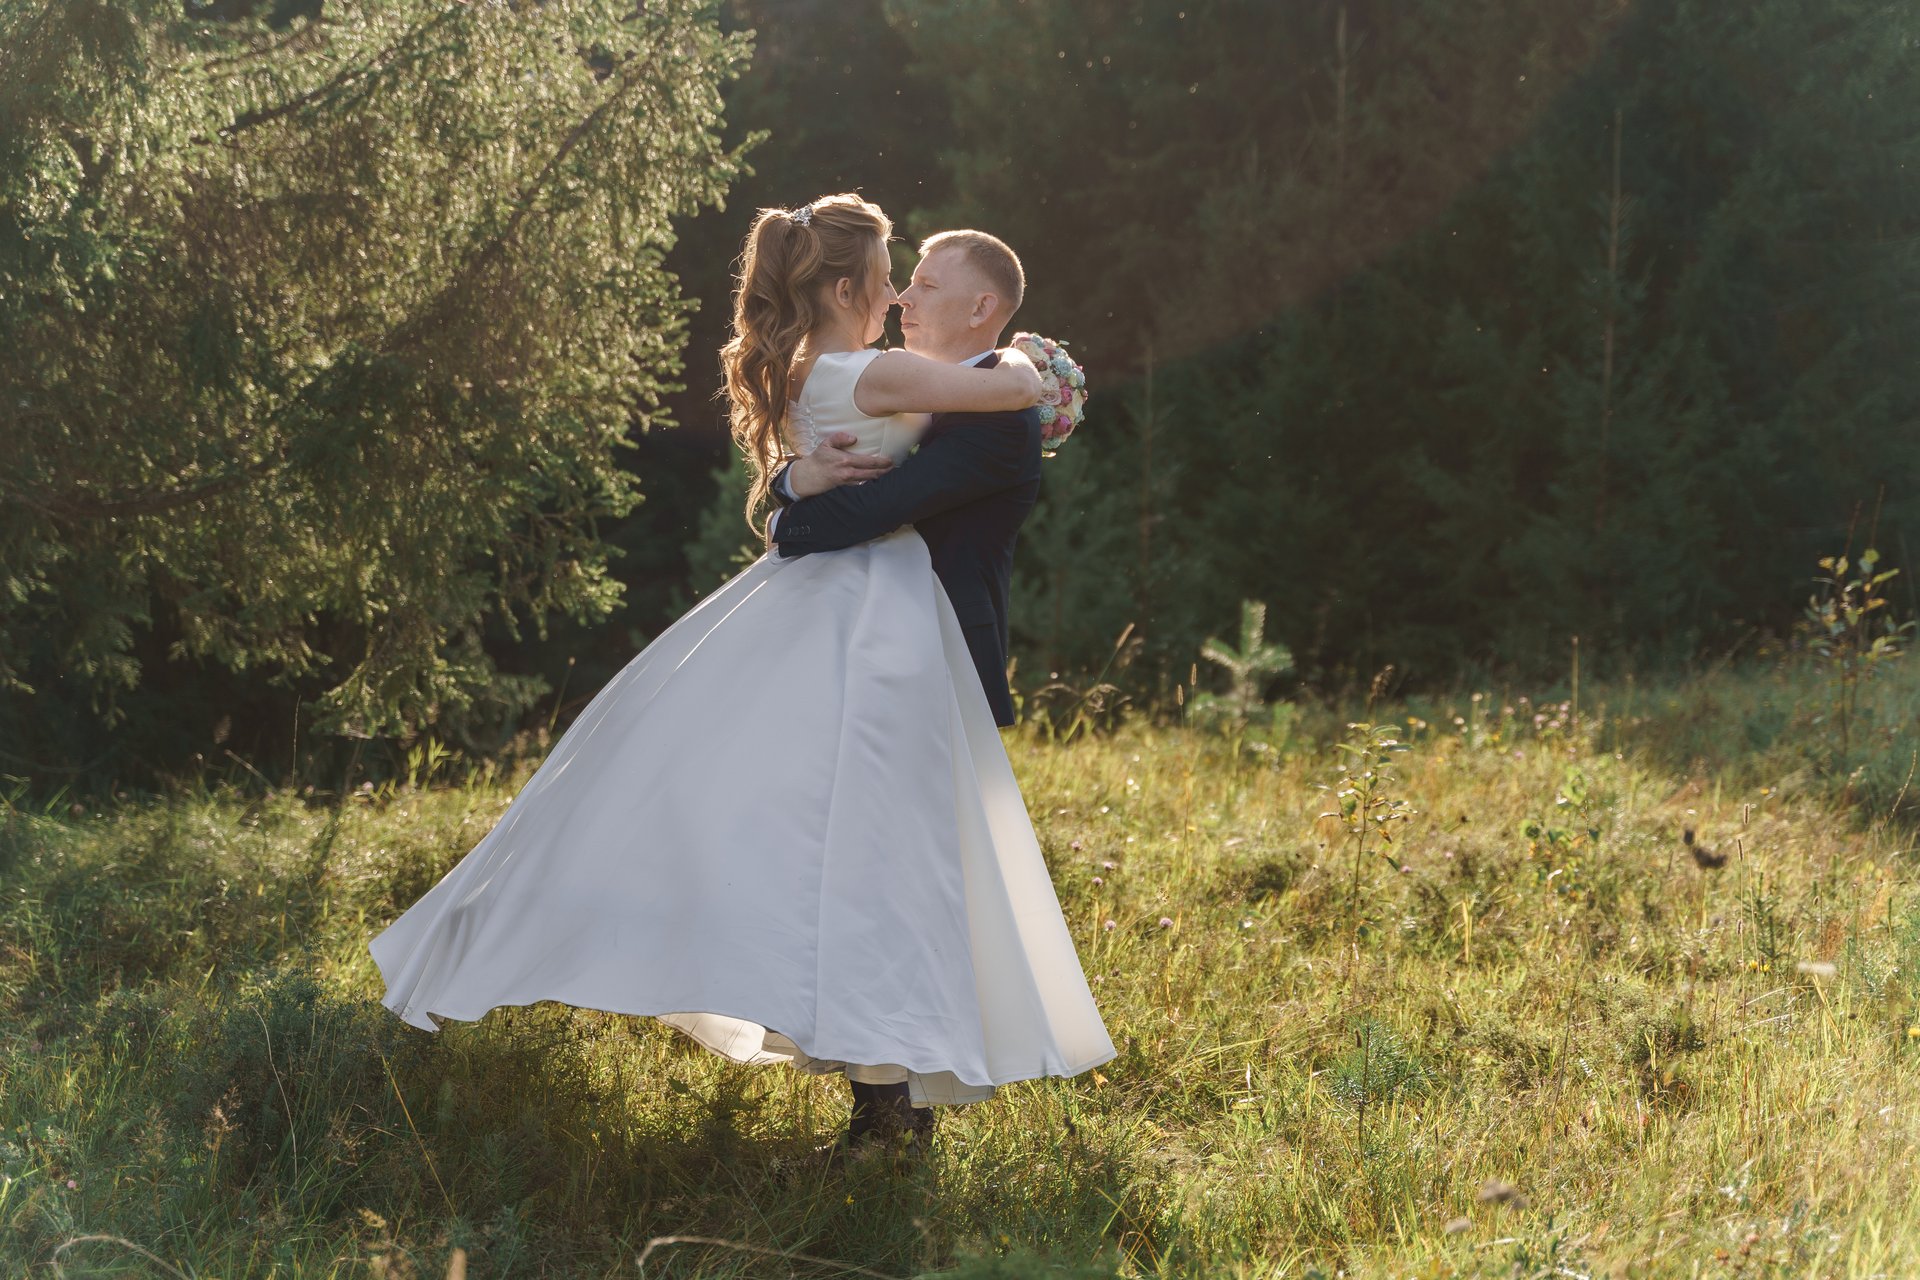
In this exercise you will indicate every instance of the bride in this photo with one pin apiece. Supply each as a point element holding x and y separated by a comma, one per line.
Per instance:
<point>788,827</point>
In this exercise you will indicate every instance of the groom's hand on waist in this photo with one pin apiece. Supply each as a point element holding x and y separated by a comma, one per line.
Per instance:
<point>830,465</point>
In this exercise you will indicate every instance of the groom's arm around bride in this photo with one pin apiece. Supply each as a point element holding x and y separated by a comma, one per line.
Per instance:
<point>972,456</point>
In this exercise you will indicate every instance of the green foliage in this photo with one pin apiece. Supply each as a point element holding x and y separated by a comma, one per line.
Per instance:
<point>1249,669</point>
<point>1171,191</point>
<point>723,547</point>
<point>1378,1069</point>
<point>320,346</point>
<point>1469,329</point>
<point>1367,812</point>
<point>1070,599</point>
<point>1850,629</point>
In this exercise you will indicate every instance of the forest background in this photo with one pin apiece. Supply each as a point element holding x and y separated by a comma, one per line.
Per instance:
<point>1448,330</point>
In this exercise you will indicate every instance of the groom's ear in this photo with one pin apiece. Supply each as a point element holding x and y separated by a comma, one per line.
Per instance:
<point>985,307</point>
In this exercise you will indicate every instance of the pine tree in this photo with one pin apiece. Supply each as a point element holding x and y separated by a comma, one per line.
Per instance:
<point>1441,388</point>
<point>322,338</point>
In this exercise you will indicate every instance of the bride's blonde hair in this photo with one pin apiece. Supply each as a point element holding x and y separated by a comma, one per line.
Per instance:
<point>776,303</point>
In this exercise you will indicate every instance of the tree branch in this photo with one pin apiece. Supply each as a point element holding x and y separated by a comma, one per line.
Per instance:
<point>249,119</point>
<point>87,507</point>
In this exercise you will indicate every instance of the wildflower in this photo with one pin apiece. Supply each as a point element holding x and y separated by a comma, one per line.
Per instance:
<point>1166,922</point>
<point>1099,879</point>
<point>1109,864</point>
<point>1109,926</point>
<point>1075,845</point>
<point>72,1185</point>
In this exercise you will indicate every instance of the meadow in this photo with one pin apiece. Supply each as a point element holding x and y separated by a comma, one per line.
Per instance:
<point>1536,1033</point>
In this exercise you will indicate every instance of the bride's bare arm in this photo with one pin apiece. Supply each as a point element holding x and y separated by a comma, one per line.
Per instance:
<point>901,382</point>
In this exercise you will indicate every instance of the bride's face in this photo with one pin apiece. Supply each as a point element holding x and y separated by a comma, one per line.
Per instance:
<point>862,319</point>
<point>880,293</point>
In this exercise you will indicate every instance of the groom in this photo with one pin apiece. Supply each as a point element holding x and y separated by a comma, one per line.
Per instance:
<point>967,489</point>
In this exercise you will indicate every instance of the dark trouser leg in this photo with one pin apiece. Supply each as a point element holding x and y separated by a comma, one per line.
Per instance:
<point>883,1107</point>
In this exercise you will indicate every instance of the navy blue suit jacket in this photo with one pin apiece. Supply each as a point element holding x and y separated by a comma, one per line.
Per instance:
<point>967,490</point>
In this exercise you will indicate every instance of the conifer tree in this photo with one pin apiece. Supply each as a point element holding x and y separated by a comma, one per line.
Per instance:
<point>321,335</point>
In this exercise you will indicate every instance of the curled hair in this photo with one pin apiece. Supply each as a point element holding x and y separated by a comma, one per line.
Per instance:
<point>789,254</point>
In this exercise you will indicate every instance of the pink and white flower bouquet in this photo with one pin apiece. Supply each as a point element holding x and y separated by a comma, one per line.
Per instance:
<point>1063,388</point>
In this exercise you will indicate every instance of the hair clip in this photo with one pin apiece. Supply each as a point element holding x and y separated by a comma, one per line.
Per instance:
<point>802,215</point>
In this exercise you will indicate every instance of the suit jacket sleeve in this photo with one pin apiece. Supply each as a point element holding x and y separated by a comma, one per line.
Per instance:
<point>778,489</point>
<point>968,461</point>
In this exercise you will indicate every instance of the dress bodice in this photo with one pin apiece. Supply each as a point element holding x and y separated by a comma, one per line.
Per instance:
<point>826,406</point>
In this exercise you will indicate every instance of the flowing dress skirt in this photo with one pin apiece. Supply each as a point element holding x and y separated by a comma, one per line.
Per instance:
<point>788,827</point>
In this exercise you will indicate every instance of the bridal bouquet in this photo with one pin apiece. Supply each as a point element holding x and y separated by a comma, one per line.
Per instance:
<point>1063,388</point>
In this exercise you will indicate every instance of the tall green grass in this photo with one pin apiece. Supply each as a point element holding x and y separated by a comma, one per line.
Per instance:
<point>1555,1044</point>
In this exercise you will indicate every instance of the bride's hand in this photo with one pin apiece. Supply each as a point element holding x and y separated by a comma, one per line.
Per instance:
<point>829,466</point>
<point>1012,358</point>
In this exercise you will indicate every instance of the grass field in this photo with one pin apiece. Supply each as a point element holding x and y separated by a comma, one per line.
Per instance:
<point>1542,1041</point>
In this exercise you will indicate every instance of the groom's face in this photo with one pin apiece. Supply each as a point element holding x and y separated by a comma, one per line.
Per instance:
<point>939,307</point>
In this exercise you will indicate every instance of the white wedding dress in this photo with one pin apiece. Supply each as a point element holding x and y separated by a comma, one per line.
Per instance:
<point>788,827</point>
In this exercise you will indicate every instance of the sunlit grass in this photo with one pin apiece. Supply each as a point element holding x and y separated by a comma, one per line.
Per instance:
<point>1558,1046</point>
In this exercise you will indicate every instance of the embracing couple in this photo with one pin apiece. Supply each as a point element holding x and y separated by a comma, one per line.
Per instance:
<point>788,827</point>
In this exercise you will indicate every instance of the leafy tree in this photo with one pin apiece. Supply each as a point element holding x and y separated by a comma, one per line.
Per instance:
<point>323,333</point>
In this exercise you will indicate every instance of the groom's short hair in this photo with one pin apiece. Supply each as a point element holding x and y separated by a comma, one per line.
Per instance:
<point>991,257</point>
